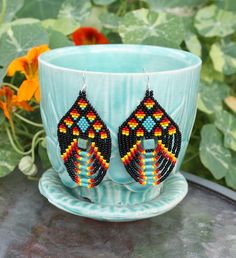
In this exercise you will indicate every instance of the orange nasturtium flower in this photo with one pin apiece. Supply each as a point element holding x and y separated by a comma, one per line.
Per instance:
<point>9,102</point>
<point>88,36</point>
<point>28,65</point>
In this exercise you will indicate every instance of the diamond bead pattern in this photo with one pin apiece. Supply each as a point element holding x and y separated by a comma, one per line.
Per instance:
<point>83,124</point>
<point>148,123</point>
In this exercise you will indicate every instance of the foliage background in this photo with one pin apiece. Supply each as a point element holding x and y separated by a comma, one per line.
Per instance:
<point>204,27</point>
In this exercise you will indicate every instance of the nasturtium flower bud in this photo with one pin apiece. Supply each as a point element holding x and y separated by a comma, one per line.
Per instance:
<point>27,166</point>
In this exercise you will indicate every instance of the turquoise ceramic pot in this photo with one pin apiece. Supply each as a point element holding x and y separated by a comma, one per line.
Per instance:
<point>116,84</point>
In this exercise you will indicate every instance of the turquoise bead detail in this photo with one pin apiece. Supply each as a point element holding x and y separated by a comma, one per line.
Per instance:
<point>83,124</point>
<point>148,123</point>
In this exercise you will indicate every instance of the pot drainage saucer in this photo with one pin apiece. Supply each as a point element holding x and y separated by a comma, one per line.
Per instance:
<point>173,190</point>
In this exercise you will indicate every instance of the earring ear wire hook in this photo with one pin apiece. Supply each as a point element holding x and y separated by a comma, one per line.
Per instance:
<point>148,79</point>
<point>84,82</point>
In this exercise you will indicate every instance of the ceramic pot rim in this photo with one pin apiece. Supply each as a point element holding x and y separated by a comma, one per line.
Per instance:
<point>46,57</point>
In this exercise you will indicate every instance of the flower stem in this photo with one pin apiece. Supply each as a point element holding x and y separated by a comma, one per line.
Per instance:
<point>28,121</point>
<point>14,145</point>
<point>24,133</point>
<point>36,107</point>
<point>122,8</point>
<point>35,141</point>
<point>15,137</point>
<point>3,12</point>
<point>9,85</point>
<point>190,158</point>
<point>33,178</point>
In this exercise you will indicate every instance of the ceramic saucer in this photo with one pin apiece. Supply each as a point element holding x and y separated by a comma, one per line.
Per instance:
<point>173,191</point>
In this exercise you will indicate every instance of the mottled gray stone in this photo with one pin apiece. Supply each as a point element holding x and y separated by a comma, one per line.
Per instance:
<point>203,225</point>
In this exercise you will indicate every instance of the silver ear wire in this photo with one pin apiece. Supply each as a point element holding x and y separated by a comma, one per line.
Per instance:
<point>148,79</point>
<point>84,82</point>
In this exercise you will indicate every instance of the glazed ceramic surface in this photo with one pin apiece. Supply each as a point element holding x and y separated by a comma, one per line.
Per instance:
<point>173,191</point>
<point>116,84</point>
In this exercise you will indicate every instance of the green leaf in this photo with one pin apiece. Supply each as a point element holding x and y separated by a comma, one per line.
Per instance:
<point>228,5</point>
<point>158,41</point>
<point>223,56</point>
<point>114,38</point>
<point>17,40</point>
<point>143,26</point>
<point>12,7</point>
<point>57,39</point>
<point>64,25</point>
<point>110,21</point>
<point>75,10</point>
<point>93,20</point>
<point>193,44</point>
<point>209,74</point>
<point>40,9</point>
<point>211,96</point>
<point>6,26</point>
<point>2,117</point>
<point>163,4</point>
<point>226,122</point>
<point>230,177</point>
<point>8,157</point>
<point>103,2</point>
<point>213,154</point>
<point>211,21</point>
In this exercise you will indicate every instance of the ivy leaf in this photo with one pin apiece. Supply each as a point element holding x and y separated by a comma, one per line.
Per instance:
<point>143,26</point>
<point>17,40</point>
<point>8,157</point>
<point>57,39</point>
<point>11,8</point>
<point>226,122</point>
<point>103,2</point>
<point>213,154</point>
<point>223,56</point>
<point>210,97</point>
<point>230,177</point>
<point>211,21</point>
<point>74,10</point>
<point>64,25</point>
<point>40,9</point>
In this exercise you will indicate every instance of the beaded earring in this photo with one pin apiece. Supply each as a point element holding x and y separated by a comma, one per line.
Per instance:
<point>85,143</point>
<point>149,142</point>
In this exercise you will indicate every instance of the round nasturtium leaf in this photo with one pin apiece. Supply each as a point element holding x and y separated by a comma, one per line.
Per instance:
<point>210,97</point>
<point>223,56</point>
<point>18,39</point>
<point>212,21</point>
<point>9,158</point>
<point>213,154</point>
<point>103,2</point>
<point>144,26</point>
<point>230,177</point>
<point>226,122</point>
<point>75,10</point>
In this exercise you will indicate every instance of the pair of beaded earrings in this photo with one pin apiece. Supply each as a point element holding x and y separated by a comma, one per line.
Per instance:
<point>149,142</point>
